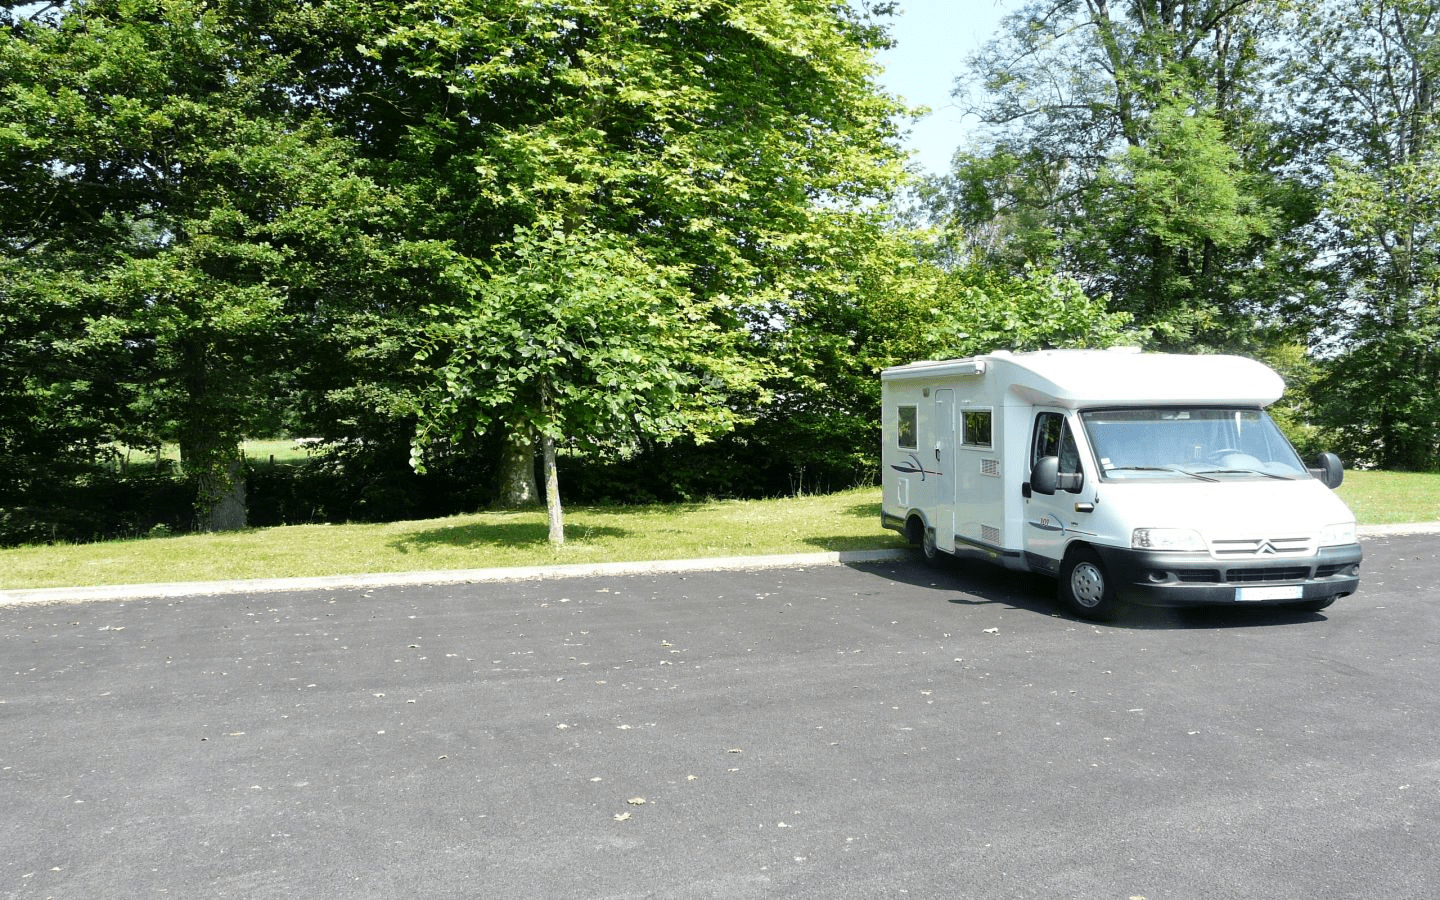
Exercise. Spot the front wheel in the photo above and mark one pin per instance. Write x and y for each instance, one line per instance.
(1085, 588)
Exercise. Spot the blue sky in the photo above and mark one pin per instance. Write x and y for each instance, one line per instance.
(934, 37)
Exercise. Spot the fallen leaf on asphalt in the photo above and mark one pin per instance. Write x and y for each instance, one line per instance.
(636, 801)
(620, 817)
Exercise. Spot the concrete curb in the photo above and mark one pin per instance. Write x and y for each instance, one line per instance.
(451, 576)
(1367, 531)
(527, 573)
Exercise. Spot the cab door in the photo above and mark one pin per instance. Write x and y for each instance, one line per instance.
(1053, 520)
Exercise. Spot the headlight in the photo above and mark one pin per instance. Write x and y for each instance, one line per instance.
(1332, 535)
(1166, 539)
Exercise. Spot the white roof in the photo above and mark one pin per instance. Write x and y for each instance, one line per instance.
(1122, 376)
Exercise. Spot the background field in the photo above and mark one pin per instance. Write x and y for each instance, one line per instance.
(1387, 498)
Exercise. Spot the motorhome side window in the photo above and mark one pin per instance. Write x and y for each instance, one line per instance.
(1053, 438)
(977, 428)
(908, 428)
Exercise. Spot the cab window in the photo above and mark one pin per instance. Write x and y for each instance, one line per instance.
(1053, 438)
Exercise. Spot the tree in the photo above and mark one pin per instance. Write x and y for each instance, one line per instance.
(140, 154)
(1126, 145)
(580, 337)
(1362, 81)
(724, 146)
(186, 210)
(902, 305)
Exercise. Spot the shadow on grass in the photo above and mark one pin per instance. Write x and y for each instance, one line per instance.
(838, 542)
(865, 511)
(880, 540)
(480, 536)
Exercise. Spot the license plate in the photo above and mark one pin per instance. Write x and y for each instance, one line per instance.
(1270, 592)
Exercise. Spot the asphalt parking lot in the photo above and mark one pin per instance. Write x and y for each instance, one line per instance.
(837, 731)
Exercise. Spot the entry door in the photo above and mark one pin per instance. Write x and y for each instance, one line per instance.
(942, 516)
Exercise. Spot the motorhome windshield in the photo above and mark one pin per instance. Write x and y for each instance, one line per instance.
(1204, 443)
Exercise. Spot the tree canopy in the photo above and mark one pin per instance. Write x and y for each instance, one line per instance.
(1245, 176)
(663, 234)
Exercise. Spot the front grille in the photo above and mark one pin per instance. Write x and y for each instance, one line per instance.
(1249, 548)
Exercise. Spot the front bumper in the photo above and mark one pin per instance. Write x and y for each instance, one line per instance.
(1152, 578)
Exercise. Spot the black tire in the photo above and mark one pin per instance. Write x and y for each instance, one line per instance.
(923, 538)
(1085, 588)
(931, 553)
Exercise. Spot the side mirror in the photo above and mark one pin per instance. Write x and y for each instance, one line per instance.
(1329, 471)
(1045, 474)
(1046, 477)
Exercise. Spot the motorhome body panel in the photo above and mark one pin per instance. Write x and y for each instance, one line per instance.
(961, 436)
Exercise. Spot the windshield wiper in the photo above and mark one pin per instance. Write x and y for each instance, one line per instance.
(1170, 469)
(1247, 472)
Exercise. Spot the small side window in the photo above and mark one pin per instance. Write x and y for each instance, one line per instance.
(977, 427)
(909, 429)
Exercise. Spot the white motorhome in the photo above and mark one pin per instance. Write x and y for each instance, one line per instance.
(1148, 478)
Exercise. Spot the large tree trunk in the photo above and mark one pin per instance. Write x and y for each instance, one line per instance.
(218, 470)
(517, 488)
(212, 459)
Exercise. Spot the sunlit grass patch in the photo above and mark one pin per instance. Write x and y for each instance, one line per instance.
(1388, 498)
(845, 521)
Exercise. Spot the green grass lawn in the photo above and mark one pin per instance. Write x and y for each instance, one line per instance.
(844, 521)
(1390, 498)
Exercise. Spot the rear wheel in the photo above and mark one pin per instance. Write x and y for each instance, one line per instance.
(928, 548)
(1085, 588)
(920, 536)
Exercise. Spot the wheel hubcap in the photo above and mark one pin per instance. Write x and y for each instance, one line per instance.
(1087, 584)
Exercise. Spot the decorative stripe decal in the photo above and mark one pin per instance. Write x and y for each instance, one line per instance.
(914, 467)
